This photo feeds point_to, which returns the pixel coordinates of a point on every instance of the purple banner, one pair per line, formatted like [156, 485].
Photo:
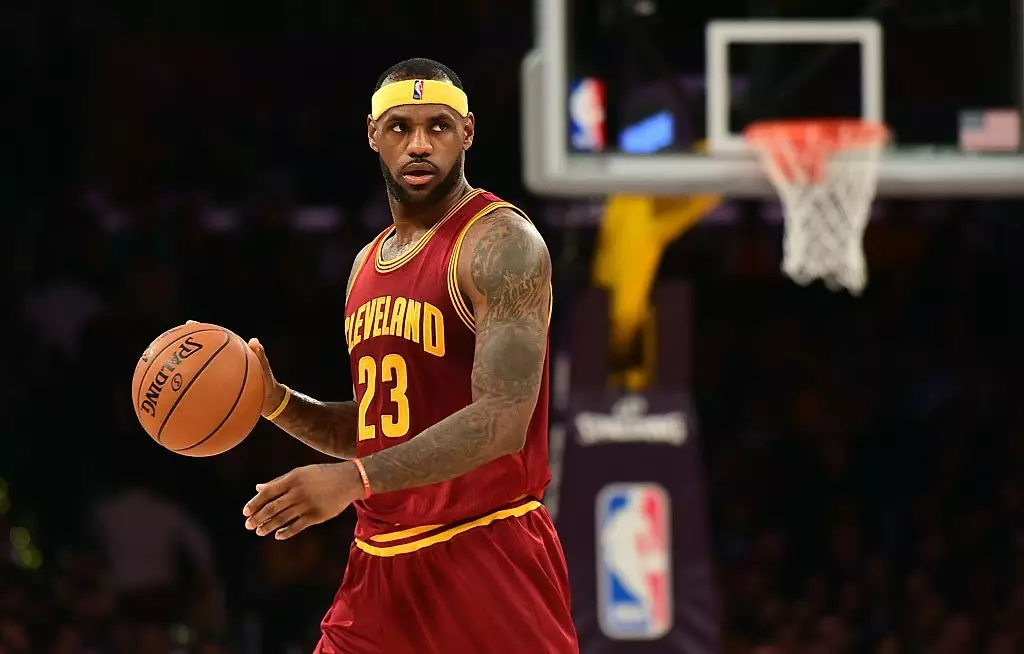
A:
[632, 519]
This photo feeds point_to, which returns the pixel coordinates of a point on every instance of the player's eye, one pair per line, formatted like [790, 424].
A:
[397, 128]
[440, 126]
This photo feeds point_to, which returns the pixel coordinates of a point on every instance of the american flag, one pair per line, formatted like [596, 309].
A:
[990, 130]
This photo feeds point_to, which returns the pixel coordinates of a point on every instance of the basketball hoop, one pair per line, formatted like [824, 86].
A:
[826, 172]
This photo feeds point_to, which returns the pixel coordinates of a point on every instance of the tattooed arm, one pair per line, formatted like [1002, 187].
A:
[328, 427]
[507, 278]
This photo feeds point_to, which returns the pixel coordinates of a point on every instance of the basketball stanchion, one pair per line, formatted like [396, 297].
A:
[826, 173]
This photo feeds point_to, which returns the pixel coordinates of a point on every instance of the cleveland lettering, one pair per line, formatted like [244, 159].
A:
[419, 322]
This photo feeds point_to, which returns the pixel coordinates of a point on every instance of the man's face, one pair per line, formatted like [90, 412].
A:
[421, 150]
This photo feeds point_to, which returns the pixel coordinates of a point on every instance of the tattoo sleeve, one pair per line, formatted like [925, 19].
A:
[328, 427]
[507, 277]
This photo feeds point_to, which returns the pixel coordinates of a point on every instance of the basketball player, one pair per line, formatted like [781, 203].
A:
[446, 321]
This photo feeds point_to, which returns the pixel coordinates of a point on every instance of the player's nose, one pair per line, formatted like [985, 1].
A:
[419, 144]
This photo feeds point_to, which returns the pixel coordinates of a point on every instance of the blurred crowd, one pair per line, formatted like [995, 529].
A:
[123, 528]
[866, 456]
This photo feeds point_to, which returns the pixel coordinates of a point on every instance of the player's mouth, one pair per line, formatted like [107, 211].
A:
[418, 174]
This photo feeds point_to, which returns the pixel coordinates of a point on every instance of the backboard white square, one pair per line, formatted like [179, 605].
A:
[723, 33]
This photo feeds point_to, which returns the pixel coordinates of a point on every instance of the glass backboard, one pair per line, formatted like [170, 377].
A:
[620, 92]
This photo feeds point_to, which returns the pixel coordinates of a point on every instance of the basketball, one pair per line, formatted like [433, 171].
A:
[198, 389]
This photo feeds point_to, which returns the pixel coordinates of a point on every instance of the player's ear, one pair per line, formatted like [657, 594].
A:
[371, 131]
[469, 131]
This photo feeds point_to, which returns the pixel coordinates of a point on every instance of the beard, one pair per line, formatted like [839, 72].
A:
[402, 195]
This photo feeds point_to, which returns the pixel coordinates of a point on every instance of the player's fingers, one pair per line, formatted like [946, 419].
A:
[278, 520]
[257, 347]
[264, 494]
[191, 322]
[299, 524]
[269, 510]
[279, 481]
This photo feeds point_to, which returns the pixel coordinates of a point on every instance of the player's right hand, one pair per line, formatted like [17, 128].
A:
[273, 392]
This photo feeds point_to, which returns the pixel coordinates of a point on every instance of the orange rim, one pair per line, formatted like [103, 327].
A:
[800, 148]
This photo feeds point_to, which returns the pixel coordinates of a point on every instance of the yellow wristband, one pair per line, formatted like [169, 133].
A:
[284, 403]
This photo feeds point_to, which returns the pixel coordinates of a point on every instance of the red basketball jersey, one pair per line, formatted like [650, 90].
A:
[411, 338]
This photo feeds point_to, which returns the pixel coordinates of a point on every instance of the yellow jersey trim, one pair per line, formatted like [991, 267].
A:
[454, 293]
[551, 302]
[383, 265]
[464, 312]
[443, 536]
[362, 264]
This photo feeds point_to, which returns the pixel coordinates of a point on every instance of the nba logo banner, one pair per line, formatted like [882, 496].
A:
[634, 561]
[632, 521]
[417, 90]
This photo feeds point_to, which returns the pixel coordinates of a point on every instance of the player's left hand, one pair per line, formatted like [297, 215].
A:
[302, 498]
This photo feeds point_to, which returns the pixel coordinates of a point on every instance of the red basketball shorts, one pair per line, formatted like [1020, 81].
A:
[494, 585]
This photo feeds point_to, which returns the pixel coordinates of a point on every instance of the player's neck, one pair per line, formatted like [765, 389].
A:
[411, 221]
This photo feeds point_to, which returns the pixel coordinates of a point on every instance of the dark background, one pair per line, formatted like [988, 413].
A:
[864, 456]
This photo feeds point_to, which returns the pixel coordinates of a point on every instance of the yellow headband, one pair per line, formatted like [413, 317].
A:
[418, 91]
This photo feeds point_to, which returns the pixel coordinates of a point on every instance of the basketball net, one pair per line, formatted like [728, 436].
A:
[826, 173]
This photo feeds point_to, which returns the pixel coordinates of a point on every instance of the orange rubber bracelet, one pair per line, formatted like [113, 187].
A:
[362, 475]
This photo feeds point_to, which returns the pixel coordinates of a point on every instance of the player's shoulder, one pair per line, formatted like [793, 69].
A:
[361, 256]
[504, 223]
[501, 244]
[357, 265]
